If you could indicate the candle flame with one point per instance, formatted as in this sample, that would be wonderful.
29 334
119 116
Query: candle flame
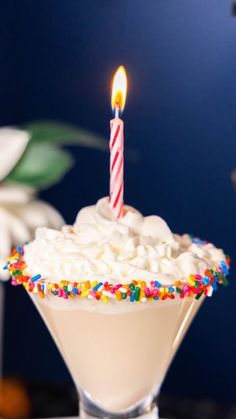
119 89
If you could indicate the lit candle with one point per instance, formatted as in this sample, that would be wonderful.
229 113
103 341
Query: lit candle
118 97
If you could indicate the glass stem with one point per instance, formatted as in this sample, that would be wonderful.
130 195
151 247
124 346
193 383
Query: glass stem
89 410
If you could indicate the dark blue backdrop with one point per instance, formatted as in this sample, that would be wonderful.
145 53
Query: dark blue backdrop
57 60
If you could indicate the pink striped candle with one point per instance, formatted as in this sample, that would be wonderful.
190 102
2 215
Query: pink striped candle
117 143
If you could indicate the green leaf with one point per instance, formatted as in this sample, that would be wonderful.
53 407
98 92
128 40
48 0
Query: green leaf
41 166
44 162
58 133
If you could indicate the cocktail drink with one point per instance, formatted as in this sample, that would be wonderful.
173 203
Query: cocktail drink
117 297
118 358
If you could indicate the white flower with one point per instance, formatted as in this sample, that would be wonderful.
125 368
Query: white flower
20 212
13 143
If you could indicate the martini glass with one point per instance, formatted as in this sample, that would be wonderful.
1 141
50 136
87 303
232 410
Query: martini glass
118 354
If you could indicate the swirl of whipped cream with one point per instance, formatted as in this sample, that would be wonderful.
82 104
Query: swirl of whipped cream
98 246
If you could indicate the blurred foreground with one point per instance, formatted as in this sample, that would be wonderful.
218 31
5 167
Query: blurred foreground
25 399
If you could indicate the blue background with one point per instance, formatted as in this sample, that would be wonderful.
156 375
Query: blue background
57 61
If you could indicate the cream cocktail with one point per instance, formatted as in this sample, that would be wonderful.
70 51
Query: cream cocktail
117 297
118 358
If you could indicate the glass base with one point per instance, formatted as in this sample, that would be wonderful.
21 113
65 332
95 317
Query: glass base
147 409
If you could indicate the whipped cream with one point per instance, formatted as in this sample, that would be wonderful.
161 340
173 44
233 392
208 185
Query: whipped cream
98 246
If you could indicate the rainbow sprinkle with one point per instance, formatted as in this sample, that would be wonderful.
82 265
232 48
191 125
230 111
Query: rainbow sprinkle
195 286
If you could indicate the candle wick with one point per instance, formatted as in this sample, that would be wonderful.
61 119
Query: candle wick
117 112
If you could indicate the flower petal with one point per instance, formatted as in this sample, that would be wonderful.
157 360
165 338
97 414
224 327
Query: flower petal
13 143
4 273
5 236
13 194
39 214
5 246
19 232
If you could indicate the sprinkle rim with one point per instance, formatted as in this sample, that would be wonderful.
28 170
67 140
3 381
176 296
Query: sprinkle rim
195 286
